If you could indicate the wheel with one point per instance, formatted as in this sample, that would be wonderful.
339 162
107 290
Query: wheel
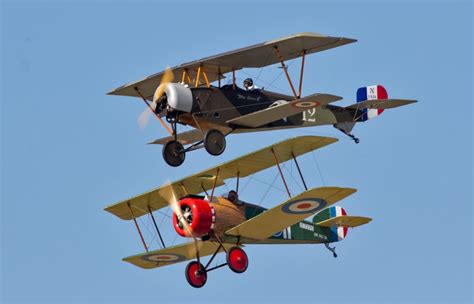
214 142
196 275
173 153
237 259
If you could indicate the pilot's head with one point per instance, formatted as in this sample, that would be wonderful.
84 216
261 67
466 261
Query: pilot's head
248 82
233 197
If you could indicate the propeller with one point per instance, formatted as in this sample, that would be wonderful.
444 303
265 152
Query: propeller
184 216
144 118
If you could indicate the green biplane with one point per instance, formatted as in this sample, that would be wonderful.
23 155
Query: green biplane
226 223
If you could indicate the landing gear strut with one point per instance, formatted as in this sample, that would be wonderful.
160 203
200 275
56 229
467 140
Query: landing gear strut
173 151
332 249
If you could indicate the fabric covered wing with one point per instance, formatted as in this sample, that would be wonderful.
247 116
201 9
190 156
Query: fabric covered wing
274 113
173 255
345 221
185 138
255 56
290 212
242 166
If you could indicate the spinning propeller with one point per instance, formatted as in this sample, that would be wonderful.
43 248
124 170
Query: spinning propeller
184 215
167 77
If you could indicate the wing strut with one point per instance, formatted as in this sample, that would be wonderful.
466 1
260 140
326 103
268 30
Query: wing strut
285 69
138 228
299 171
281 173
156 227
301 73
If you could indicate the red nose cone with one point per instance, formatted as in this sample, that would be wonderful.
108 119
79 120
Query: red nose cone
196 218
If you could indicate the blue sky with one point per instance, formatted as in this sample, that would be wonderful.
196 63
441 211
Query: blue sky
68 150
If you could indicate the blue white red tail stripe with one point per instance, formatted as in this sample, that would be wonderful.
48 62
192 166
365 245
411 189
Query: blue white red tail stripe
370 93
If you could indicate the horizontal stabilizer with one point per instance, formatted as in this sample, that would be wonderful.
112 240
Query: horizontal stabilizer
344 221
381 104
283 110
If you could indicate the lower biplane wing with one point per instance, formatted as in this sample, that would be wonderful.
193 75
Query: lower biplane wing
214 177
290 212
381 104
185 138
173 255
274 113
344 221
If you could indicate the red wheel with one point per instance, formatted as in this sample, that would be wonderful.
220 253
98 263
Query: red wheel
196 275
237 259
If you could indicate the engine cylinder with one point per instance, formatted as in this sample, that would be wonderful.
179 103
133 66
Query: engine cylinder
179 97
196 219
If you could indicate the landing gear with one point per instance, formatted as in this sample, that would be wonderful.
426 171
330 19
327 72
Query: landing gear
196 274
332 249
173 153
237 260
214 142
356 140
346 128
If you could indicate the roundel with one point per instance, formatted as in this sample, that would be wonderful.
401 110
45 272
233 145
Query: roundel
306 104
170 257
305 205
278 234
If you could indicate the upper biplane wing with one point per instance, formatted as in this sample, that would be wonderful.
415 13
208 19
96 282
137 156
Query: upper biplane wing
207 179
255 56
274 113
185 138
345 221
173 255
290 212
381 103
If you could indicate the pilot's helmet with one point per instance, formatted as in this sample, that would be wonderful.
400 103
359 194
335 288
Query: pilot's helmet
248 82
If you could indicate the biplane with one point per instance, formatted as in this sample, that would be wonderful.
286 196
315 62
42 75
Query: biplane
227 224
198 98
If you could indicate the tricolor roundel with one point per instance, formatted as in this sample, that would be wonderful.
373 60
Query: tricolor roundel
305 205
169 258
370 93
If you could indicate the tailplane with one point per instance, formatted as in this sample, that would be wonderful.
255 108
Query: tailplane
338 221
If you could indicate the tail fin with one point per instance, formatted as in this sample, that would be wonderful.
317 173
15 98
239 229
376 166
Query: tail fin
338 221
370 93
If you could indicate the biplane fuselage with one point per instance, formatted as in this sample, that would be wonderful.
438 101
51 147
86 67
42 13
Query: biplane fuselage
215 106
228 215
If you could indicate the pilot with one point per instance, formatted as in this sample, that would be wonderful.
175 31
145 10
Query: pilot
233 197
248 84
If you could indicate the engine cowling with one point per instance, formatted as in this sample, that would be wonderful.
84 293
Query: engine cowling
178 96
197 214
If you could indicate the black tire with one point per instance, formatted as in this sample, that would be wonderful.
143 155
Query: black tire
214 142
173 153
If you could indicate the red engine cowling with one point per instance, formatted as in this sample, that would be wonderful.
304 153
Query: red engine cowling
197 214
